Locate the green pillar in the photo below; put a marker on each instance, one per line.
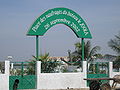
(22, 69)
(97, 68)
(37, 47)
(82, 41)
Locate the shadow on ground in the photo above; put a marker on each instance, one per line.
(117, 89)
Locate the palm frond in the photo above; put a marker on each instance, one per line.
(98, 55)
(117, 37)
(78, 46)
(115, 45)
(116, 63)
(88, 53)
(87, 48)
(94, 50)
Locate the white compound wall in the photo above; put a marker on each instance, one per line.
(4, 78)
(61, 80)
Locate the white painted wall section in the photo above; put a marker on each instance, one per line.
(61, 80)
(4, 78)
(112, 73)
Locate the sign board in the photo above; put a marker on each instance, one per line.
(59, 16)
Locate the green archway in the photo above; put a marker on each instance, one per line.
(59, 16)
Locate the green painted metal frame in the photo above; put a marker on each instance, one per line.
(37, 47)
(25, 81)
(99, 75)
(82, 40)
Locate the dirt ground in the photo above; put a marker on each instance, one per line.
(65, 89)
(57, 89)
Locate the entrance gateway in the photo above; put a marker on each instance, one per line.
(47, 20)
(59, 16)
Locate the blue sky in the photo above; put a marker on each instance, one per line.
(16, 16)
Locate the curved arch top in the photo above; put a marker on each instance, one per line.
(59, 16)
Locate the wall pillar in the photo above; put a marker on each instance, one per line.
(85, 73)
(5, 77)
(38, 73)
(12, 64)
(7, 66)
(111, 71)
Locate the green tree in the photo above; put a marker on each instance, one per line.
(48, 65)
(90, 52)
(114, 44)
(31, 67)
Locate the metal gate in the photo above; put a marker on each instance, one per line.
(98, 70)
(25, 73)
